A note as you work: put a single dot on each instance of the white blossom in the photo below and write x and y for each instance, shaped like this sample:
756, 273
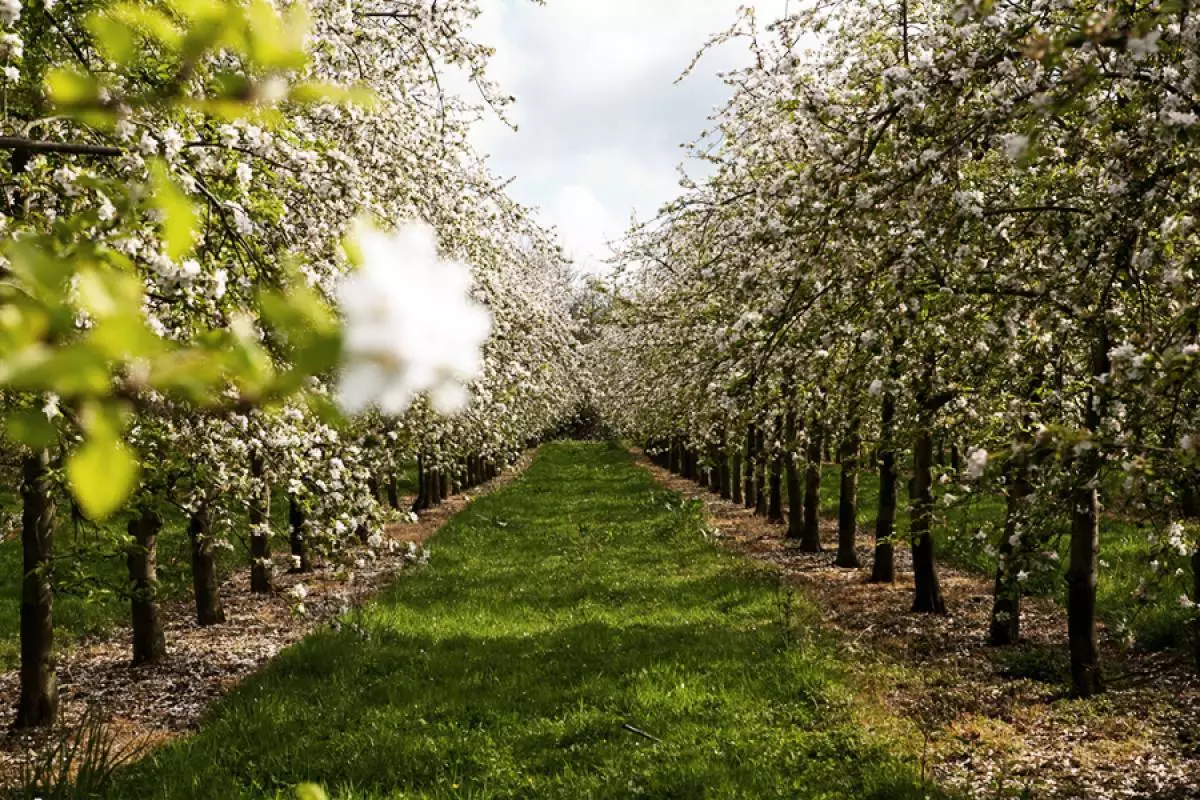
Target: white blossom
977, 461
410, 324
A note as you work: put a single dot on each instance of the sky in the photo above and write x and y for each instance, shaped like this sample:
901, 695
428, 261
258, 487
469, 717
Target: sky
601, 120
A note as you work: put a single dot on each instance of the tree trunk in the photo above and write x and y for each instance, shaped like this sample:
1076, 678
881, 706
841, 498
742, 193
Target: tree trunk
735, 476
435, 477
1190, 500
298, 536
847, 556
775, 475
1005, 627
810, 535
149, 641
749, 492
38, 703
261, 568
1085, 543
393, 492
723, 477
760, 473
883, 570
927, 592
204, 571
795, 492
422, 500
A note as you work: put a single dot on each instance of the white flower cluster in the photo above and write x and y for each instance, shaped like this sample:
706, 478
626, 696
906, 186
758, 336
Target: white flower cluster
410, 326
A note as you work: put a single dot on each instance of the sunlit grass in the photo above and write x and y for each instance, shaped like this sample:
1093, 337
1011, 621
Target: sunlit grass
580, 600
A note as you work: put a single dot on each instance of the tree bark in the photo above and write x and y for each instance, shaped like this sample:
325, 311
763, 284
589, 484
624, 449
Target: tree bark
204, 571
422, 500
927, 591
851, 443
38, 703
1190, 497
435, 479
760, 473
775, 499
883, 570
735, 476
261, 568
393, 492
1083, 563
1005, 626
810, 534
795, 491
298, 537
749, 493
726, 485
149, 641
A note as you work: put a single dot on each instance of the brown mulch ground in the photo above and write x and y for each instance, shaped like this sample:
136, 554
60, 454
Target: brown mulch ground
977, 726
148, 706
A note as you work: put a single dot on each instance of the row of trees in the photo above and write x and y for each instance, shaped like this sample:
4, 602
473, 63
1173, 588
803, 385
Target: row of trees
940, 225
193, 322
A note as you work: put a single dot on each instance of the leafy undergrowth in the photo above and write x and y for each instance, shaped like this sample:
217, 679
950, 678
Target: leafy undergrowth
558, 614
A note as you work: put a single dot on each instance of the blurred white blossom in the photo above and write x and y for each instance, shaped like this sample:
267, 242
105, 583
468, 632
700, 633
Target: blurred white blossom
411, 325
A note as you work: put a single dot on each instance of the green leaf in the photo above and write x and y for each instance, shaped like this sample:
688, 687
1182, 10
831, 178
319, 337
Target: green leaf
31, 426
180, 218
102, 474
67, 87
310, 791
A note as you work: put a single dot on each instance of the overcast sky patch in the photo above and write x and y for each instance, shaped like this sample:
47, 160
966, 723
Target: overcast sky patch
600, 117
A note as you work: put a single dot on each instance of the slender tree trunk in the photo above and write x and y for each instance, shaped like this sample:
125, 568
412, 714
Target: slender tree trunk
883, 570
298, 536
1083, 563
38, 703
795, 490
760, 473
1190, 500
1005, 627
810, 535
149, 641
261, 568
445, 490
751, 456
847, 556
422, 501
735, 476
393, 492
723, 477
204, 571
927, 591
435, 477
775, 500
1196, 614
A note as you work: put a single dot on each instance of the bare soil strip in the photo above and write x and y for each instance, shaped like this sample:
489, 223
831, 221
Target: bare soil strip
149, 706
977, 720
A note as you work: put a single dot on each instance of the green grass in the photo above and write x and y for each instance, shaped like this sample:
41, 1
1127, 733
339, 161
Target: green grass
577, 600
1156, 622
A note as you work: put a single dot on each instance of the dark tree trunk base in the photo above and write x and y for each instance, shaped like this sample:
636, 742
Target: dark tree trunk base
37, 706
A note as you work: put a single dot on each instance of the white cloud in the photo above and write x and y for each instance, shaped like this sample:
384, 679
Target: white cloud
600, 117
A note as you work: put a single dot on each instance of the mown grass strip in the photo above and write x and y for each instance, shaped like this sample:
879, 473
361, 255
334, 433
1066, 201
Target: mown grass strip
574, 636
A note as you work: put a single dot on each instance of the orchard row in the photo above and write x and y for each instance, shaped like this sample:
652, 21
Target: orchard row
934, 224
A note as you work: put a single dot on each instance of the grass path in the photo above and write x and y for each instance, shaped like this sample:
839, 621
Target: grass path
580, 599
